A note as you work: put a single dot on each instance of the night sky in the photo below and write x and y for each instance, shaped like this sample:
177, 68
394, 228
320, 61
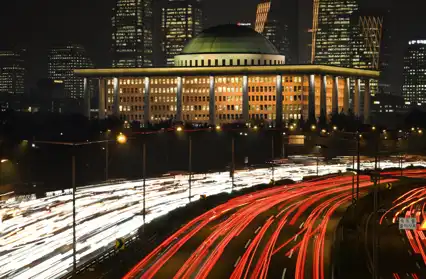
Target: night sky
37, 24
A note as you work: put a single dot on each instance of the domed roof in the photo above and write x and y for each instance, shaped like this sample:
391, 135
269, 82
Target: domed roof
230, 38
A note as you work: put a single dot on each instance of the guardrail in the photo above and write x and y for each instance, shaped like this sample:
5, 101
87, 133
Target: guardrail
105, 255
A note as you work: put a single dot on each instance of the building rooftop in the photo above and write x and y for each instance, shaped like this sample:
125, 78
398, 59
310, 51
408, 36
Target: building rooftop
230, 38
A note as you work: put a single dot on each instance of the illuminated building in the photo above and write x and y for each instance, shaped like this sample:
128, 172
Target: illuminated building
229, 74
182, 20
278, 24
12, 71
62, 61
414, 86
366, 42
132, 45
331, 32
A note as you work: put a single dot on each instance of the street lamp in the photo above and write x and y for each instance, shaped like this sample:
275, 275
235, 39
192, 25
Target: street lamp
121, 138
319, 147
313, 127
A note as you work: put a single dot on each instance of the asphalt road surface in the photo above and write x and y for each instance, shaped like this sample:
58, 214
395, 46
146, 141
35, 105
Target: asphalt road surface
284, 232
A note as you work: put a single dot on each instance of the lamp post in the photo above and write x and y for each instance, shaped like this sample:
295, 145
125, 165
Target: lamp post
121, 139
232, 162
358, 138
144, 183
272, 158
190, 167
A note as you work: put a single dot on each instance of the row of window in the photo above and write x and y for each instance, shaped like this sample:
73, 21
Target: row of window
228, 62
205, 117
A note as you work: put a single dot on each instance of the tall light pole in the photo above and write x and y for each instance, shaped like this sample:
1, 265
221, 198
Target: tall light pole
232, 162
74, 242
358, 166
190, 167
144, 183
272, 157
121, 139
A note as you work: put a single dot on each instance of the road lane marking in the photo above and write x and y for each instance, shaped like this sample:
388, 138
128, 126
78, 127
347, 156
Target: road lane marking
238, 260
291, 253
418, 265
301, 225
409, 252
295, 237
284, 271
247, 244
258, 229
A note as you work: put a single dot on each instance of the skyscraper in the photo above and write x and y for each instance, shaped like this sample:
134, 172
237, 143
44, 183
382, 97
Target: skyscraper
12, 71
279, 24
62, 61
181, 21
331, 32
132, 45
414, 87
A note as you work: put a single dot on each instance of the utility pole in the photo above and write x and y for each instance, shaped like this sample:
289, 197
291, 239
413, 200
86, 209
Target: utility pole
144, 178
190, 167
74, 244
232, 162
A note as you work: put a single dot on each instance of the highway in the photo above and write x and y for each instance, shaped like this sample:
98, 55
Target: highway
409, 246
36, 234
284, 232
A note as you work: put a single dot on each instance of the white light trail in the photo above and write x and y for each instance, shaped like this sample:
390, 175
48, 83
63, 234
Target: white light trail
36, 235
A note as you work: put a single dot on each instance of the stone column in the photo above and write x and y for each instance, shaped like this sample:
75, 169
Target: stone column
245, 99
323, 96
311, 98
146, 101
116, 97
102, 98
346, 93
335, 98
86, 96
212, 101
179, 99
279, 102
367, 102
357, 98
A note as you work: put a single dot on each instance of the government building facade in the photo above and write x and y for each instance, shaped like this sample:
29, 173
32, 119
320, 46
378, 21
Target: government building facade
229, 74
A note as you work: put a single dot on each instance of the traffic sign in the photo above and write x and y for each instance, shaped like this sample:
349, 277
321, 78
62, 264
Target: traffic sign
407, 223
389, 186
119, 244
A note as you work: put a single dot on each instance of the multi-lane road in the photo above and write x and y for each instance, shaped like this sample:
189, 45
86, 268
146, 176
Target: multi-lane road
284, 232
36, 234
403, 252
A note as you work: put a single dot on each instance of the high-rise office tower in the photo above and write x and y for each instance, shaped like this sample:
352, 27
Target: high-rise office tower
181, 21
331, 32
132, 45
62, 61
12, 71
279, 24
414, 87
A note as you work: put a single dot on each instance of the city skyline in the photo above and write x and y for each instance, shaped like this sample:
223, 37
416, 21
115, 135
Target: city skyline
89, 23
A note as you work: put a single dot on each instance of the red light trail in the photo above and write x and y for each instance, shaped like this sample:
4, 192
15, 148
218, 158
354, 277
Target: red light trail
289, 220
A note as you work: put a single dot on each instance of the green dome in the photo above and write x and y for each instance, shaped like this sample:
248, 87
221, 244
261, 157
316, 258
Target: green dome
230, 38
